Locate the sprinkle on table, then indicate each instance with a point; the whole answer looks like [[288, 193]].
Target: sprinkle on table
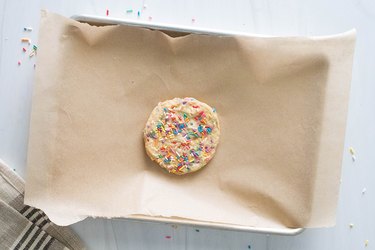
[[28, 29], [25, 40], [19, 63], [352, 151], [366, 243], [33, 52], [107, 12], [129, 11], [351, 225], [138, 13]]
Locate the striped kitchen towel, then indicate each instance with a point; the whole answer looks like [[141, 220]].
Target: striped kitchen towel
[[30, 220], [16, 232]]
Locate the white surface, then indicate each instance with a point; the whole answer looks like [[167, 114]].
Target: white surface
[[286, 17]]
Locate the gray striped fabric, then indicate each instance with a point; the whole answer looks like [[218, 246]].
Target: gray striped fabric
[[42, 233], [16, 232]]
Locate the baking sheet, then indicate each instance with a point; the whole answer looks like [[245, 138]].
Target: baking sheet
[[282, 103], [175, 31]]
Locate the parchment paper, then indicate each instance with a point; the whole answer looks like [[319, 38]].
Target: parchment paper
[[282, 105]]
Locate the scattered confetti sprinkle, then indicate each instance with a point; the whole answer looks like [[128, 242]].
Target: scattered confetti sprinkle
[[138, 13], [107, 12], [249, 246], [33, 52], [19, 63], [28, 29], [364, 190], [351, 150], [25, 40], [351, 225], [129, 11], [168, 237], [197, 230], [24, 49], [193, 20], [366, 243]]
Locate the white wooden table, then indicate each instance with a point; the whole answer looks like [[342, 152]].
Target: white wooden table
[[271, 17]]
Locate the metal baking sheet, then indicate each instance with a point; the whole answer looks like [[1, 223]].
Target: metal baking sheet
[[177, 30]]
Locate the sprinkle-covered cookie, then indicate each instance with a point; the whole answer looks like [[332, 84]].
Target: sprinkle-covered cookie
[[182, 135]]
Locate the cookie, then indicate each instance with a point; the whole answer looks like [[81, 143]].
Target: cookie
[[181, 135]]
